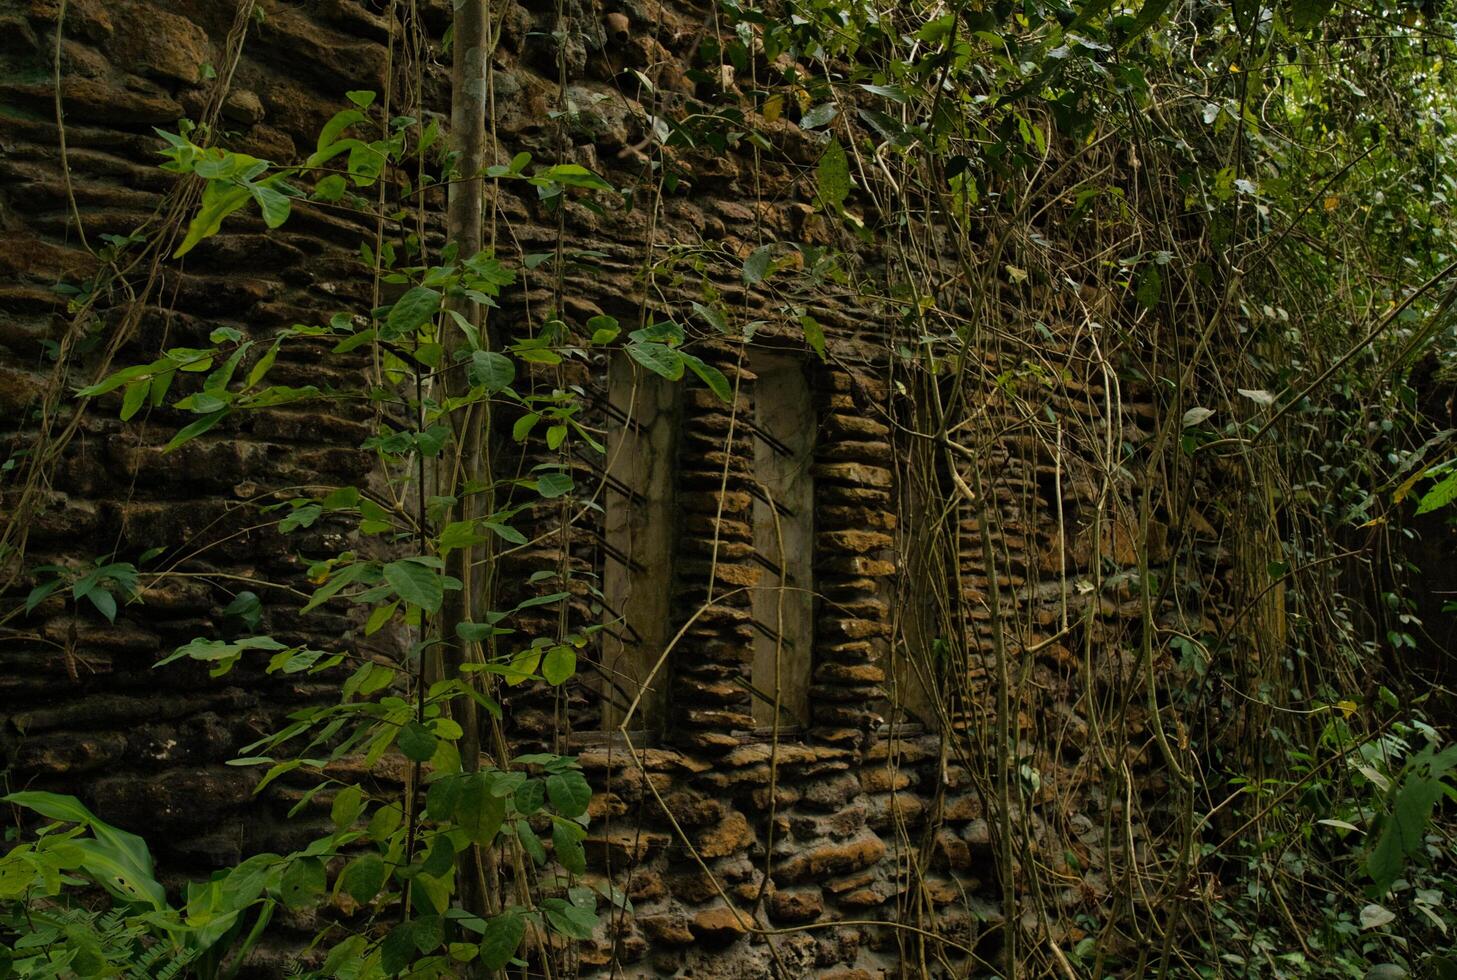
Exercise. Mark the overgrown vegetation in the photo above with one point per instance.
(1242, 215)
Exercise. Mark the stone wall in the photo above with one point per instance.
(837, 822)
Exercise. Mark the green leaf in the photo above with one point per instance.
(604, 329)
(1150, 285)
(412, 311)
(530, 843)
(416, 583)
(566, 839)
(115, 380)
(135, 398)
(710, 376)
(756, 266)
(478, 811)
(117, 858)
(491, 370)
(814, 335)
(663, 332)
(659, 359)
(821, 114)
(347, 806)
(361, 97)
(569, 792)
(501, 938)
(330, 188)
(302, 883)
(523, 426)
(559, 664)
(505, 532)
(1403, 831)
(529, 796)
(573, 921)
(1439, 495)
(459, 534)
(553, 485)
(833, 176)
(104, 602)
(219, 199)
(363, 878)
(416, 741)
(713, 315)
(189, 432)
(274, 205)
(572, 175)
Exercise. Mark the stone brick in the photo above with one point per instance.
(719, 924)
(795, 905)
(831, 858)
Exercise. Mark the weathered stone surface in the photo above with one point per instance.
(719, 924)
(835, 858)
(795, 905)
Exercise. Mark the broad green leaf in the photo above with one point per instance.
(363, 878)
(1440, 495)
(274, 205)
(302, 883)
(574, 921)
(416, 583)
(412, 311)
(658, 358)
(479, 812)
(713, 315)
(135, 398)
(219, 199)
(416, 741)
(604, 329)
(553, 485)
(567, 842)
(1150, 286)
(821, 114)
(710, 376)
(529, 796)
(814, 335)
(502, 936)
(573, 175)
(756, 266)
(347, 806)
(330, 188)
(491, 370)
(833, 176)
(530, 843)
(118, 852)
(1403, 830)
(559, 664)
(523, 426)
(569, 792)
(459, 534)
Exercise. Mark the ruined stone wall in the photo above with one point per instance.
(835, 822)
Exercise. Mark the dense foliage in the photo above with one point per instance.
(1251, 202)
